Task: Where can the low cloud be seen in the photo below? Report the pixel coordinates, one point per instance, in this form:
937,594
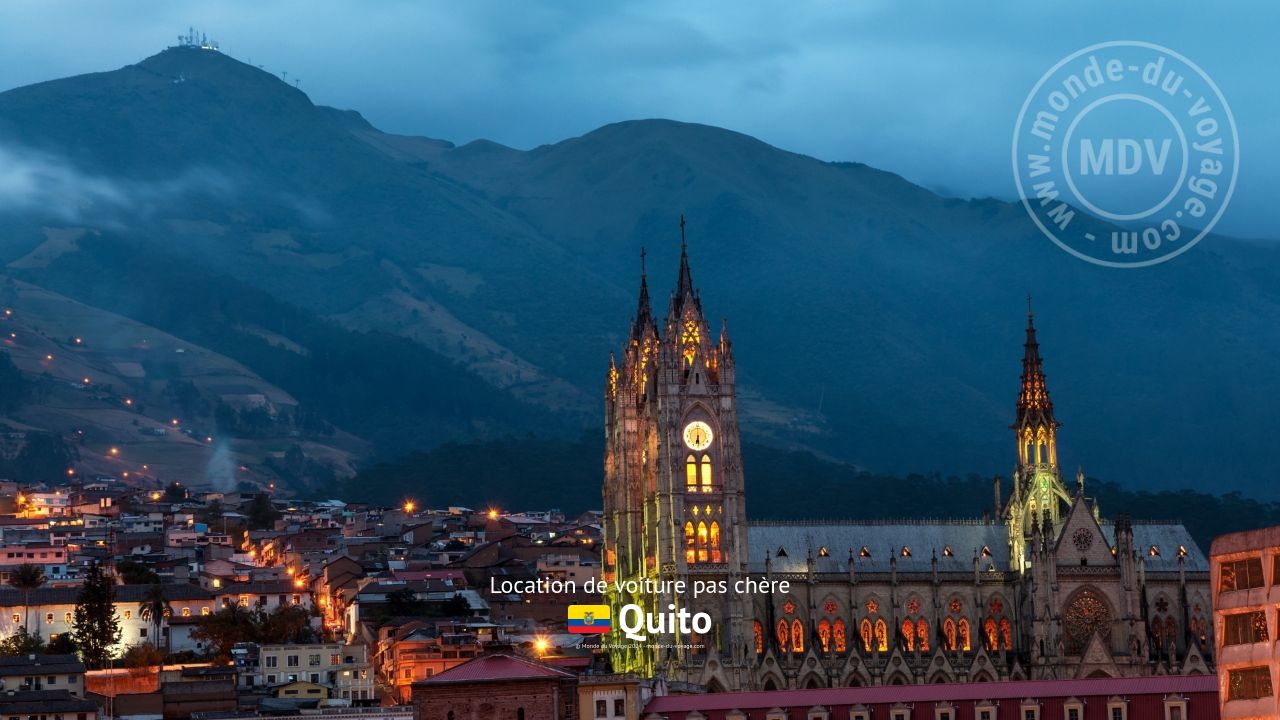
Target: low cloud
39,183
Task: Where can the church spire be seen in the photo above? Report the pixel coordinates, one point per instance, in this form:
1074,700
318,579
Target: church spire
1035,407
684,294
644,311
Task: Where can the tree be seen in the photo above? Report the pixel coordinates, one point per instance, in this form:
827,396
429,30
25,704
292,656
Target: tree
21,643
155,609
135,573
95,627
173,493
144,655
223,629
285,624
262,514
27,577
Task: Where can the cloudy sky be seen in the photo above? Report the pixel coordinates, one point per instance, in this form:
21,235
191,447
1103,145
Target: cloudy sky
926,89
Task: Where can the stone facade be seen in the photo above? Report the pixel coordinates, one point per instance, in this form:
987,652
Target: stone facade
1047,588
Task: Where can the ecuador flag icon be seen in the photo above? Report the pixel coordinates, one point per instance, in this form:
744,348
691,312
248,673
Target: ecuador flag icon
589,619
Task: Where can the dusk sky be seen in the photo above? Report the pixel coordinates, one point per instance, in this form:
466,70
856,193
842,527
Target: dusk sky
927,90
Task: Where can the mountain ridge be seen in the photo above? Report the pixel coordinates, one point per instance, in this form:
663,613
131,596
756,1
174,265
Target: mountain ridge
875,321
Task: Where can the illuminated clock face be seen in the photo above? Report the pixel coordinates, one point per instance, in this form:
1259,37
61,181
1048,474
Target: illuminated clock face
697,435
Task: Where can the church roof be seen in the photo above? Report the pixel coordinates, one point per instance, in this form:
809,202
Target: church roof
882,540
790,544
1167,538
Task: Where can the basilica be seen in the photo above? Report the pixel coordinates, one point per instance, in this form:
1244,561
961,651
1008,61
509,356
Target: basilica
1047,588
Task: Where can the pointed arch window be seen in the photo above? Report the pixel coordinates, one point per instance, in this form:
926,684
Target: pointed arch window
715,542
865,631
759,632
689,542
949,635
882,635
909,634
922,635
797,636
1006,633
992,634
965,644
824,635
837,632
702,542
706,474
691,474
784,634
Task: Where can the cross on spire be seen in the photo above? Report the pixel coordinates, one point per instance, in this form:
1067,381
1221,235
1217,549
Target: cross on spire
682,244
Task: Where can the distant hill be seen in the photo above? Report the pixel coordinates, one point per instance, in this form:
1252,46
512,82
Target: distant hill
875,322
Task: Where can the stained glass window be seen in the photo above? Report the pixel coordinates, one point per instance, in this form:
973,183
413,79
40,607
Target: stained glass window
759,632
909,634
992,634
1006,633
715,542
922,634
882,635
690,473
824,635
690,551
1087,614
784,633
949,634
837,630
965,645
865,631
706,473
797,637
702,542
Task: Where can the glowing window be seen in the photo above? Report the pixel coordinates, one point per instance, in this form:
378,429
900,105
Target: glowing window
715,542
797,636
702,542
909,634
824,635
691,473
837,630
882,635
949,634
759,632
922,634
964,635
1006,633
706,473
784,634
689,539
991,633
865,631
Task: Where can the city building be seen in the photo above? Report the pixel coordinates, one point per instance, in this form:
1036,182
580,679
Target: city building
342,669
42,672
1046,587
1245,575
1166,697
497,686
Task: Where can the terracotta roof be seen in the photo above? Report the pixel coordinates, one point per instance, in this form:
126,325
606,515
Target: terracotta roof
1011,690
496,668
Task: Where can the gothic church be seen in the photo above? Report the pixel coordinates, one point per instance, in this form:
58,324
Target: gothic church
1047,589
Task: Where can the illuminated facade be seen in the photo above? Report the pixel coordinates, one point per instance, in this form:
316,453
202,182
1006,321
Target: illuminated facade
1047,588
674,500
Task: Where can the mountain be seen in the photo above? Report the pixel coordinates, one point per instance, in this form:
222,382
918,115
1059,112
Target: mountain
874,322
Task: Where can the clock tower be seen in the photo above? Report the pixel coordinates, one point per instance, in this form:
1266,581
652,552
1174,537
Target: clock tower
674,502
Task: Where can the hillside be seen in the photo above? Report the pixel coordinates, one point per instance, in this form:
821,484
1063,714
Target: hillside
140,404
874,322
